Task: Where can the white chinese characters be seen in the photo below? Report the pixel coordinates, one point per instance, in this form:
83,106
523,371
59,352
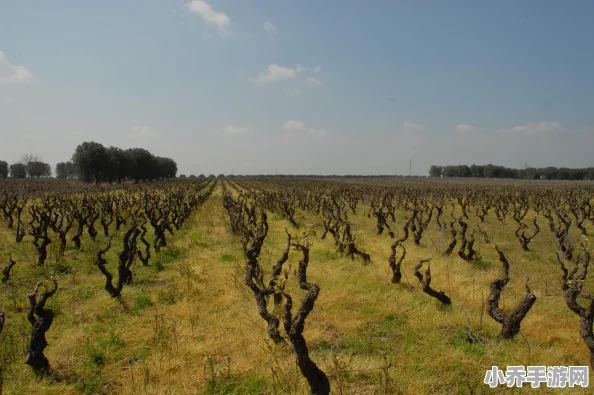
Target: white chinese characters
551,376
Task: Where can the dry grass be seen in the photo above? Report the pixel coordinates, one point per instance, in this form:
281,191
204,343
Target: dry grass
193,327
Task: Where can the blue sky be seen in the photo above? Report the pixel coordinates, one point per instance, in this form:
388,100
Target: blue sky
325,87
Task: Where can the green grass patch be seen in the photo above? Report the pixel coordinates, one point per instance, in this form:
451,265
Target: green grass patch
142,302
169,296
471,345
196,239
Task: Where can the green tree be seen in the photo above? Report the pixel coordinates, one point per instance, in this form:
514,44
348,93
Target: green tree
38,169
91,160
435,171
3,169
144,164
18,170
120,164
65,170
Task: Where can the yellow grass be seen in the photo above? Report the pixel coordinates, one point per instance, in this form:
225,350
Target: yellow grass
193,328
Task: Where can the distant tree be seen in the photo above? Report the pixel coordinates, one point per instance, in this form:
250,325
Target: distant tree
563,174
91,160
211,176
36,169
65,170
112,165
28,158
127,165
18,170
3,169
435,171
144,170
165,168
182,176
527,172
464,171
477,171
202,176
95,162
490,171
221,175
577,174
192,176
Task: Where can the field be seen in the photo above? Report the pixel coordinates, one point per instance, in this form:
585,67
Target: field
185,320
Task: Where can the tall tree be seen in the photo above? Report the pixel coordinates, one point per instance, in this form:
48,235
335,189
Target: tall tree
435,171
91,160
95,162
144,164
28,158
18,170
3,169
36,169
65,170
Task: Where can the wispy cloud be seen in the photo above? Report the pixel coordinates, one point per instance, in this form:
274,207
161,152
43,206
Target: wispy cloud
465,129
274,72
202,8
269,27
317,69
411,126
293,128
313,81
231,130
10,73
536,129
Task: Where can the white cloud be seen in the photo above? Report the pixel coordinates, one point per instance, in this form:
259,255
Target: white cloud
537,129
317,69
313,81
231,130
294,92
274,72
269,27
219,19
293,127
10,73
411,126
141,131
465,129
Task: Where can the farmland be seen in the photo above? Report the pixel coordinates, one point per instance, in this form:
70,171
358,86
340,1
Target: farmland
271,285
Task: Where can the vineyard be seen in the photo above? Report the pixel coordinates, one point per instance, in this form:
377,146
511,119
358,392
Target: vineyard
291,286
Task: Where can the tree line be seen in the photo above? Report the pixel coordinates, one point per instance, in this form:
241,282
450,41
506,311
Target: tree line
92,162
29,166
493,171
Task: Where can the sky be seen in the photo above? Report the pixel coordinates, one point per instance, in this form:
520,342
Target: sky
301,87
